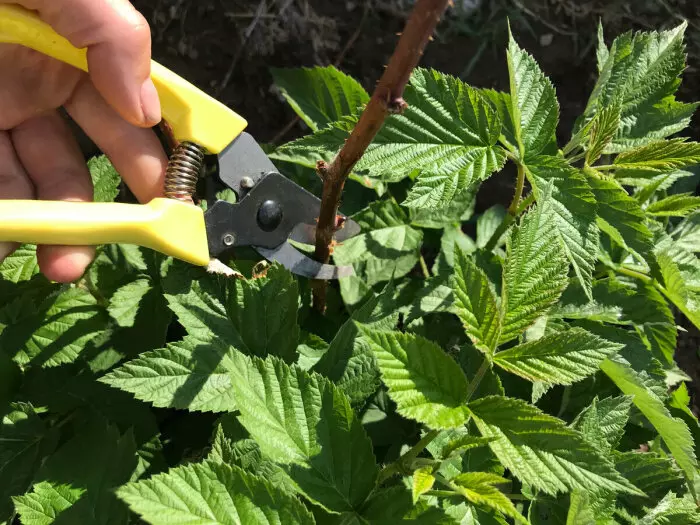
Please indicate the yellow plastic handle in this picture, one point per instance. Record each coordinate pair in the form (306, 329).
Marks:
(166, 225)
(192, 114)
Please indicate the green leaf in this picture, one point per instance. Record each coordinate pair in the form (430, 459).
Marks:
(256, 316)
(264, 312)
(57, 330)
(211, 494)
(423, 481)
(478, 488)
(534, 103)
(672, 430)
(665, 156)
(476, 303)
(105, 179)
(320, 95)
(445, 125)
(536, 270)
(541, 450)
(425, 383)
(580, 510)
(621, 217)
(603, 422)
(653, 474)
(460, 209)
(574, 207)
(438, 190)
(349, 361)
(188, 374)
(676, 289)
(672, 510)
(562, 358)
(605, 126)
(378, 256)
(43, 505)
(98, 459)
(21, 265)
(678, 205)
(124, 304)
(488, 223)
(305, 424)
(24, 441)
(640, 72)
(246, 454)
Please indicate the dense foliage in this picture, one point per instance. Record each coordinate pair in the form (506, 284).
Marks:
(513, 366)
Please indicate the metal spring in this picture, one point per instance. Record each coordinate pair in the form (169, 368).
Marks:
(183, 171)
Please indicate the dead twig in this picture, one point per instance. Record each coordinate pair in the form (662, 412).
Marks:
(259, 12)
(387, 99)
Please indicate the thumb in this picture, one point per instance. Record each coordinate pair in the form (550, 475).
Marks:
(118, 42)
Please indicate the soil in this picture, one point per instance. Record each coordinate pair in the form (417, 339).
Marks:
(227, 47)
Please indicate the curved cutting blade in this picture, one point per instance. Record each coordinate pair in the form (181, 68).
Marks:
(298, 263)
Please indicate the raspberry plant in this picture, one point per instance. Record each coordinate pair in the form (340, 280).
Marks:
(524, 374)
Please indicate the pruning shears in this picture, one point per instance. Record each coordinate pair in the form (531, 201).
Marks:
(268, 212)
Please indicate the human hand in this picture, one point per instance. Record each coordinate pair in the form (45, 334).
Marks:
(115, 104)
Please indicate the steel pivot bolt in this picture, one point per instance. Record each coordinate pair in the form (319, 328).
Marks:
(269, 215)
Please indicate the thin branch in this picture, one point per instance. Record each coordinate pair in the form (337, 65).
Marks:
(387, 99)
(514, 210)
(405, 461)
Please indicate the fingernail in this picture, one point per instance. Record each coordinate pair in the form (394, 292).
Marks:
(150, 103)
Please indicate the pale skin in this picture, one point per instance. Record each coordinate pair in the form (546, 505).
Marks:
(116, 105)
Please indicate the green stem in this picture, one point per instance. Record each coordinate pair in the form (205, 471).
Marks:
(474, 384)
(399, 465)
(519, 186)
(514, 210)
(633, 273)
(424, 268)
(507, 221)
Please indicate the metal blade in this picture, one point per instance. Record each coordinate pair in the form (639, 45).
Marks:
(298, 263)
(306, 233)
(244, 164)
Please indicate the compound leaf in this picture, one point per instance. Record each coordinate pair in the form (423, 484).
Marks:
(574, 207)
(621, 217)
(188, 374)
(665, 156)
(57, 330)
(534, 105)
(476, 303)
(124, 304)
(479, 489)
(425, 383)
(444, 126)
(21, 265)
(320, 95)
(43, 505)
(678, 205)
(305, 424)
(603, 422)
(561, 358)
(535, 273)
(673, 431)
(641, 73)
(541, 450)
(212, 494)
(24, 440)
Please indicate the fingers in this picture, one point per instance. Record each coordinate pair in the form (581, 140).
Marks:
(136, 153)
(53, 161)
(14, 183)
(118, 39)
